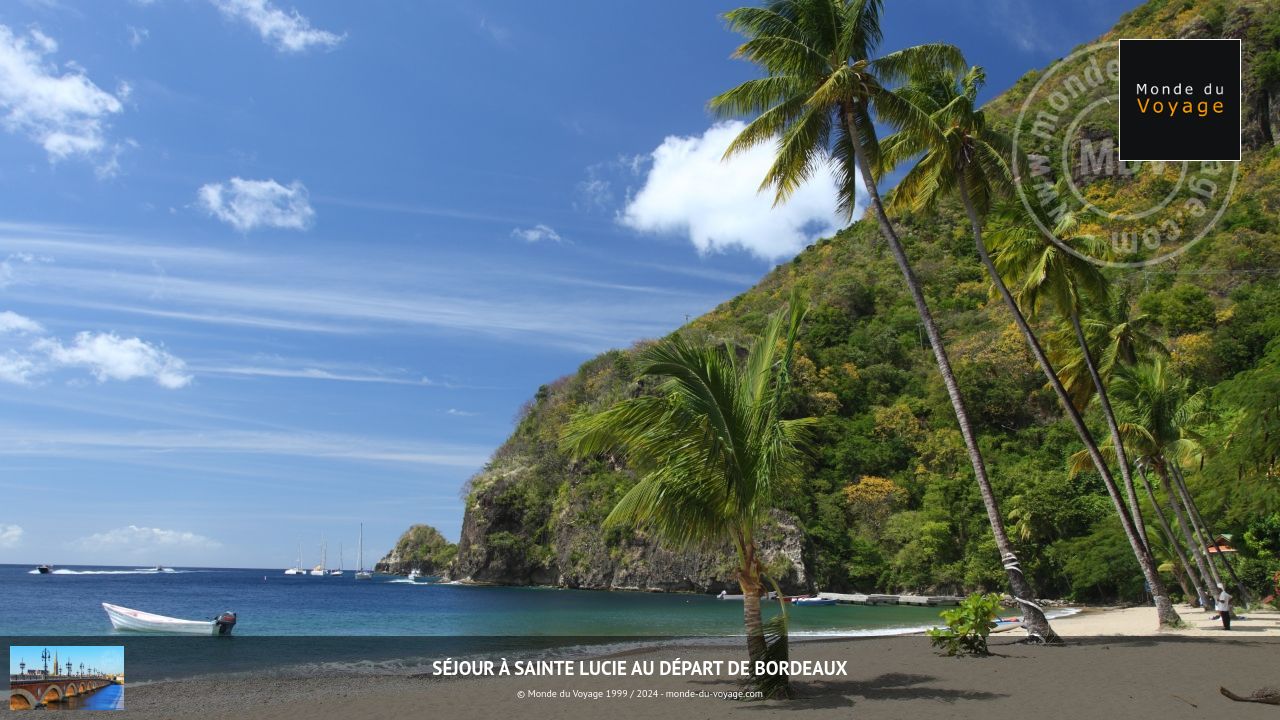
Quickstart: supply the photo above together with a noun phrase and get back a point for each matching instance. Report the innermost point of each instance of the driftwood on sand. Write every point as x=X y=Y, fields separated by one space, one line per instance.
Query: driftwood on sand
x=1269 y=696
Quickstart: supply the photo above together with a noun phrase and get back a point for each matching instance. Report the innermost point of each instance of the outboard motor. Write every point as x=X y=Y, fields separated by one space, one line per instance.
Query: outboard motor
x=225 y=622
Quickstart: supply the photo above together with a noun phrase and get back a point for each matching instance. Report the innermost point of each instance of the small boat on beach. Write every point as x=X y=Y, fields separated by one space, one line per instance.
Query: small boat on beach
x=44 y=569
x=123 y=618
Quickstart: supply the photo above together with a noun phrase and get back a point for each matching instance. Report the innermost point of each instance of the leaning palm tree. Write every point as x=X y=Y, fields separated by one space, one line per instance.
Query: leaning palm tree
x=821 y=87
x=711 y=450
x=1162 y=415
x=1044 y=273
x=960 y=154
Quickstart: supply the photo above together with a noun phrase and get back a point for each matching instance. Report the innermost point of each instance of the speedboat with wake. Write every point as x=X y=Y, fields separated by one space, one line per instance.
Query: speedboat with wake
x=123 y=618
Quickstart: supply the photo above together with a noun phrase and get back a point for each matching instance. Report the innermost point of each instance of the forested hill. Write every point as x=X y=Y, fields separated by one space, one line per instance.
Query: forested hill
x=889 y=502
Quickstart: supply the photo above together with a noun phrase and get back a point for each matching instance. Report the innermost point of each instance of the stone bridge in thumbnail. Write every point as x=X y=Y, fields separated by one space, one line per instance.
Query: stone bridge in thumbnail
x=28 y=692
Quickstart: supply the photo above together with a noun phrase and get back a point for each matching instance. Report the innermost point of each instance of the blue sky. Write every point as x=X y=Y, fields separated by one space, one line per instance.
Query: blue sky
x=269 y=268
x=107 y=659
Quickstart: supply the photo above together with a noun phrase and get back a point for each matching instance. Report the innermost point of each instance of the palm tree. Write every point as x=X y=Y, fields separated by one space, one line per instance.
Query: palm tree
x=1164 y=416
x=959 y=153
x=1046 y=273
x=711 y=450
x=1175 y=547
x=821 y=85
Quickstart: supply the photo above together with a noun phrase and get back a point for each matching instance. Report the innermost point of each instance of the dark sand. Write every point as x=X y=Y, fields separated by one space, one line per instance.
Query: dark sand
x=1166 y=677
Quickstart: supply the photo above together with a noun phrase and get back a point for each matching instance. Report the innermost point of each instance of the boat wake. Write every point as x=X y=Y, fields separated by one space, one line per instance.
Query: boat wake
x=138 y=571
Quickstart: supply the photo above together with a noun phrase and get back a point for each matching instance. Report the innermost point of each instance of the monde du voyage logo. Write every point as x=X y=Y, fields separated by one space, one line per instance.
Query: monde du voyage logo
x=1180 y=100
x=1133 y=147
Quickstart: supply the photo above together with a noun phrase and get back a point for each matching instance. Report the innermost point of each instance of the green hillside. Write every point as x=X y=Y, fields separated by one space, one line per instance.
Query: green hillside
x=888 y=502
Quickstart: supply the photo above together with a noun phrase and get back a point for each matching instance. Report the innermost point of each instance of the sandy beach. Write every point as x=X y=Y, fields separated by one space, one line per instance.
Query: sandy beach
x=1112 y=665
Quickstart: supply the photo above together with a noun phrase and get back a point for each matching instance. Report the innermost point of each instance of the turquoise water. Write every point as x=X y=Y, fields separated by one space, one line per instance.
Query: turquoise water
x=69 y=602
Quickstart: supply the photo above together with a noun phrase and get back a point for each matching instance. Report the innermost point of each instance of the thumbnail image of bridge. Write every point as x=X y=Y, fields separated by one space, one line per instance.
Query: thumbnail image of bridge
x=27 y=692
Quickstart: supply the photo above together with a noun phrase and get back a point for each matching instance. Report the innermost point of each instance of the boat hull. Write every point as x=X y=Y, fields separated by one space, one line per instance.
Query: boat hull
x=128 y=619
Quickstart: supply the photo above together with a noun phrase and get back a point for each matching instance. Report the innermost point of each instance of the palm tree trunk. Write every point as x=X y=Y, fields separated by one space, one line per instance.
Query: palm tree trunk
x=749 y=579
x=1201 y=597
x=1131 y=494
x=1244 y=592
x=1206 y=533
x=1175 y=504
x=1188 y=506
x=1168 y=617
x=1033 y=619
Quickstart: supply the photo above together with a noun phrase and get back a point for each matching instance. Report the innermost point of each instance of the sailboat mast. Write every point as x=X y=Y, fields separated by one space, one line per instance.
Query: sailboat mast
x=361 y=546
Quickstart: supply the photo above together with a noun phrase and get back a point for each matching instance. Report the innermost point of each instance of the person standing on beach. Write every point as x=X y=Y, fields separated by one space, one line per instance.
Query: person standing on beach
x=1223 y=606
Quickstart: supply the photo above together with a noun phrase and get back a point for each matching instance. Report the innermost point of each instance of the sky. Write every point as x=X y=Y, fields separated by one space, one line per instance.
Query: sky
x=272 y=268
x=107 y=659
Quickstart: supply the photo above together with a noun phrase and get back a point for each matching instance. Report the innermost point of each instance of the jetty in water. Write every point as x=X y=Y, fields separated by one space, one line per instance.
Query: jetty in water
x=920 y=600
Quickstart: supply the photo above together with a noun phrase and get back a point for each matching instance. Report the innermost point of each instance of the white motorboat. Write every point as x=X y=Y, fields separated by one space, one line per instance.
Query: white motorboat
x=123 y=618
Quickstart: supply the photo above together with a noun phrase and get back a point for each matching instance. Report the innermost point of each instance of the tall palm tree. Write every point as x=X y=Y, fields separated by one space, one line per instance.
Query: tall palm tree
x=1167 y=416
x=1155 y=407
x=1045 y=273
x=821 y=86
x=960 y=154
x=711 y=450
x=1175 y=546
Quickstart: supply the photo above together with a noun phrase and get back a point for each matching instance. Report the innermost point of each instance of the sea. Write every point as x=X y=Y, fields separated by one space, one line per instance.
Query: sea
x=307 y=625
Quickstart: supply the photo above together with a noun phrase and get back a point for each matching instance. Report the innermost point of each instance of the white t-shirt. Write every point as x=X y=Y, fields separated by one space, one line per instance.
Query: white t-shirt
x=1224 y=602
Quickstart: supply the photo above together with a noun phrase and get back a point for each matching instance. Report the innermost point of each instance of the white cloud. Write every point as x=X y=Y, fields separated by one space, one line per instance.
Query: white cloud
x=110 y=357
x=10 y=536
x=691 y=190
x=59 y=108
x=460 y=413
x=140 y=540
x=248 y=204
x=137 y=35
x=537 y=233
x=12 y=322
x=287 y=31
x=17 y=369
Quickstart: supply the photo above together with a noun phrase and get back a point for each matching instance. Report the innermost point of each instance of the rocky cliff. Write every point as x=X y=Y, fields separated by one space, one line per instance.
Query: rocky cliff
x=420 y=548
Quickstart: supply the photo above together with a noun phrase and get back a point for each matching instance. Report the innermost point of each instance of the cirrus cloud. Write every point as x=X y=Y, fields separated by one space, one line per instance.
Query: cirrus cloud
x=537 y=233
x=141 y=540
x=249 y=204
x=691 y=190
x=287 y=31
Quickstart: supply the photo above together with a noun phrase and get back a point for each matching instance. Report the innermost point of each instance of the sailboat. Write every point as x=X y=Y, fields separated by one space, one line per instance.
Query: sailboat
x=361 y=573
x=297 y=569
x=339 y=570
x=324 y=551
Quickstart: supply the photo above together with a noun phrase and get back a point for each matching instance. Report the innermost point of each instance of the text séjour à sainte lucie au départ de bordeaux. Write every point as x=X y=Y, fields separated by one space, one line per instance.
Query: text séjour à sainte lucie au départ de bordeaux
x=1173 y=100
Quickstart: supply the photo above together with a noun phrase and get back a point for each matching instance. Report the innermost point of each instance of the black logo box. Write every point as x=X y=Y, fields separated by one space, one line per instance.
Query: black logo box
x=1180 y=63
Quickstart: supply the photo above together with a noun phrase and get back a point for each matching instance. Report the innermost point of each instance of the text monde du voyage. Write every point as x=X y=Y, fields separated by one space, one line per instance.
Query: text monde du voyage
x=1180 y=99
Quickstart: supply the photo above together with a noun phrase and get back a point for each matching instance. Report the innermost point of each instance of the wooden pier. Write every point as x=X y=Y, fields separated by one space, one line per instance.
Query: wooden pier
x=919 y=600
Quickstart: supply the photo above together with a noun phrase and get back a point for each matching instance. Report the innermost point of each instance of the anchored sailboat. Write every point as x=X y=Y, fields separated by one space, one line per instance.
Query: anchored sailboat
x=339 y=570
x=361 y=573
x=297 y=569
x=324 y=551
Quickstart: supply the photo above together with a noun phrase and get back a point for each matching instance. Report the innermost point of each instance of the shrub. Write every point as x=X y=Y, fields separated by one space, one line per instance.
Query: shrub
x=967 y=625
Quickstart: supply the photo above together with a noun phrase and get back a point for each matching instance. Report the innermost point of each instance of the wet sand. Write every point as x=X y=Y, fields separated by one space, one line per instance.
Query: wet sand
x=1108 y=669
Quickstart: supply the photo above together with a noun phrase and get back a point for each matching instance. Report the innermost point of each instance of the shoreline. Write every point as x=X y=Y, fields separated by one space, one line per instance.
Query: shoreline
x=1129 y=670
